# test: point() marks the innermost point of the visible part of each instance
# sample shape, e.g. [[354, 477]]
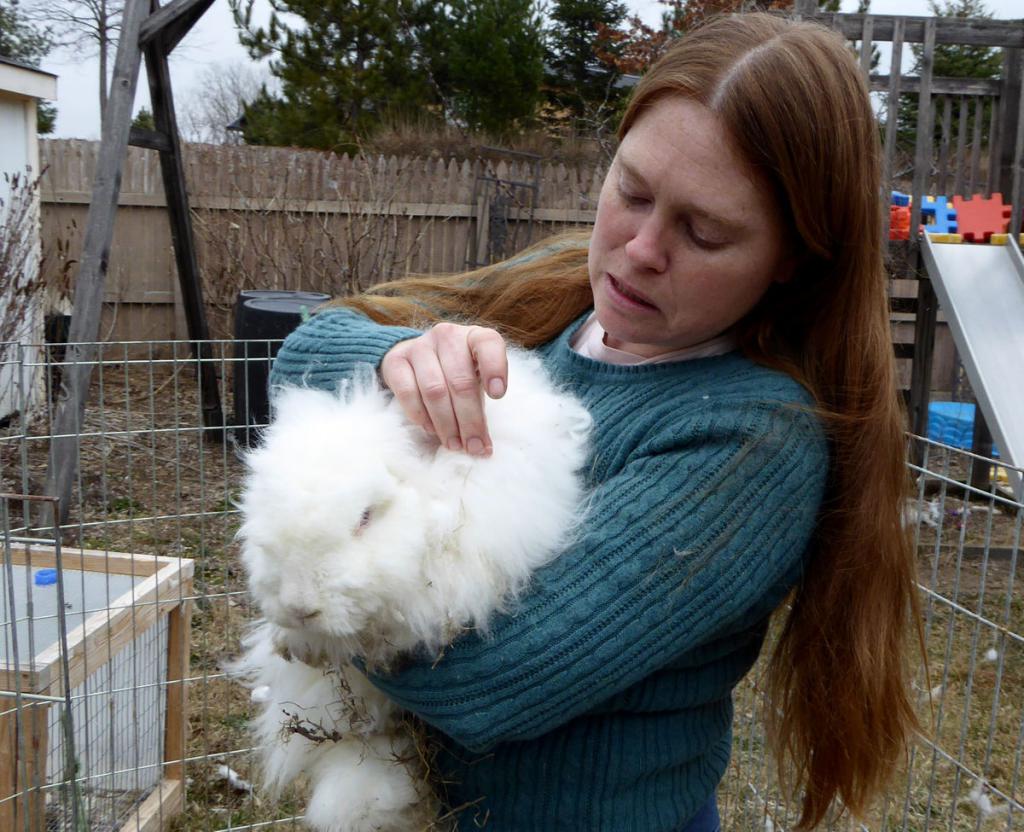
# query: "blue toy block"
[[899, 198], [941, 214]]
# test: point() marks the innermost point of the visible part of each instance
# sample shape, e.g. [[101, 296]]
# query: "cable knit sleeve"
[[694, 540], [330, 345]]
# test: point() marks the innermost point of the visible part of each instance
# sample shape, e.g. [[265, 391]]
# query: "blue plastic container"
[[952, 423]]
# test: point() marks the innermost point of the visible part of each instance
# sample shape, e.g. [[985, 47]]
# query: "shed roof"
[[24, 81]]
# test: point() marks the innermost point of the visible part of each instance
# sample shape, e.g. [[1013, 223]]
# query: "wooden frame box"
[[120, 611]]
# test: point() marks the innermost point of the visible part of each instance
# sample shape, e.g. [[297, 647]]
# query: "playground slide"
[[981, 289]]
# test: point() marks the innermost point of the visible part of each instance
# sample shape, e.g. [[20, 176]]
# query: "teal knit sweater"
[[603, 701]]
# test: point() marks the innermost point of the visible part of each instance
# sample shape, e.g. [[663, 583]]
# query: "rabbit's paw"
[[361, 786]]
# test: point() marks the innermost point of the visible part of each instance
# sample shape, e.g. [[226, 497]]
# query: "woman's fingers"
[[398, 376], [463, 388], [438, 380], [434, 393], [491, 357]]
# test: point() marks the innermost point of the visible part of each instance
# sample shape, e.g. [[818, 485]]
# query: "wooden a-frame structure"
[[151, 30]]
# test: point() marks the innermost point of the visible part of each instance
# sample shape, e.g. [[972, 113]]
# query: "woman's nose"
[[648, 248]]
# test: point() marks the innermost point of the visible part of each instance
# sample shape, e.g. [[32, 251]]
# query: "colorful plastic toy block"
[[940, 214], [946, 238], [979, 218], [900, 199], [899, 222], [1003, 239]]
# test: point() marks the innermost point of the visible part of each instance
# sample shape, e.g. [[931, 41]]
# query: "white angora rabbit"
[[362, 537]]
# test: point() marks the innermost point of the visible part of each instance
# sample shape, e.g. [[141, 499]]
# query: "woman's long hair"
[[797, 106]]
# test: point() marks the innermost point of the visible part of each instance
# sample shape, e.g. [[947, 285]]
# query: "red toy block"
[[979, 218], [899, 222]]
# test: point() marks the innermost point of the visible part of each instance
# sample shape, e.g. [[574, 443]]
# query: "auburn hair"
[[796, 104]]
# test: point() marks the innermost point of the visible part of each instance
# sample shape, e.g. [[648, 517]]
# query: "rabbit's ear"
[[406, 466], [404, 448]]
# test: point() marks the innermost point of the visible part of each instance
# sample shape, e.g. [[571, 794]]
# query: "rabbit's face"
[[325, 572], [332, 521]]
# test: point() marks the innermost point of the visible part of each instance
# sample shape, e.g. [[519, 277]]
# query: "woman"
[[727, 326]]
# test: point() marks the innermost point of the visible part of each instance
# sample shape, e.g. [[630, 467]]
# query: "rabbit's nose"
[[301, 614]]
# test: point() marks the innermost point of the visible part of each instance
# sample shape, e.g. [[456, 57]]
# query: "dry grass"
[[150, 483]]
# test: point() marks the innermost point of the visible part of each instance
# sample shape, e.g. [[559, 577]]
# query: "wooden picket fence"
[[282, 218]]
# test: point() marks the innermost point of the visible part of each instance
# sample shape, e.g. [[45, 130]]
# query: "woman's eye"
[[704, 242], [632, 199]]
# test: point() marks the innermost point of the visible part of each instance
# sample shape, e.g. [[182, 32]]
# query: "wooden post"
[[923, 150], [891, 118], [160, 30], [1009, 121], [173, 170], [23, 745], [92, 271], [179, 632], [867, 40], [927, 303]]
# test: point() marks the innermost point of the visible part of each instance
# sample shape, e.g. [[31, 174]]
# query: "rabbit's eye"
[[364, 520]]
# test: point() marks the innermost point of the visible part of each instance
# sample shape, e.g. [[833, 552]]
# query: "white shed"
[[21, 314]]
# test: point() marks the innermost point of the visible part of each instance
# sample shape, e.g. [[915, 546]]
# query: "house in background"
[[22, 300]]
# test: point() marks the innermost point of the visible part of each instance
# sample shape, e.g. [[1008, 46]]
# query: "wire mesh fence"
[[116, 714]]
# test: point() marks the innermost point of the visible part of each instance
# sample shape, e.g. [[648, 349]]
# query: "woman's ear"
[[786, 270], [791, 264]]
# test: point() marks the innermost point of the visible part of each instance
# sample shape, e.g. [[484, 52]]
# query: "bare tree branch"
[[217, 99], [84, 27]]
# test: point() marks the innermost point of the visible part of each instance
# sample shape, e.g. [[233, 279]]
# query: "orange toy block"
[[979, 218], [899, 222]]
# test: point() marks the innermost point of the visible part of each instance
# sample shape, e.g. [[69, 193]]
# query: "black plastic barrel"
[[262, 320], [56, 329]]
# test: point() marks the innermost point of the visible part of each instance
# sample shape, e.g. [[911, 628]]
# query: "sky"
[[213, 41]]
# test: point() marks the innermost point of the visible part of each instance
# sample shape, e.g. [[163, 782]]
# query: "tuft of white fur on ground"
[[361, 536], [979, 797], [915, 513], [236, 782]]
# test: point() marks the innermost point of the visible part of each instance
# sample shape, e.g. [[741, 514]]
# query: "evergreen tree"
[[21, 41], [356, 63], [496, 63], [350, 63], [577, 81], [46, 117], [144, 119]]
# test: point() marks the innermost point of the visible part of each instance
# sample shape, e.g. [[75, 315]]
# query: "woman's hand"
[[438, 379]]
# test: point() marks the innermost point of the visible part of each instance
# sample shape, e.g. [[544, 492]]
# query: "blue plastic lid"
[[46, 577]]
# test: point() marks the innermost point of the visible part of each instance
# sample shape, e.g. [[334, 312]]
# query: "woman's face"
[[688, 237]]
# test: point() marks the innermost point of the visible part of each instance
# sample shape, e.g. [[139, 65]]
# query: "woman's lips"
[[627, 295]]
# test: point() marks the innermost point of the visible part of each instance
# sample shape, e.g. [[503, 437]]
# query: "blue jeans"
[[706, 820]]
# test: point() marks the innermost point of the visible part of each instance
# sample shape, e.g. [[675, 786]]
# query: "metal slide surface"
[[981, 289]]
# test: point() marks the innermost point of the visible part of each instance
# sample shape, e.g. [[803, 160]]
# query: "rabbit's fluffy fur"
[[362, 537]]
